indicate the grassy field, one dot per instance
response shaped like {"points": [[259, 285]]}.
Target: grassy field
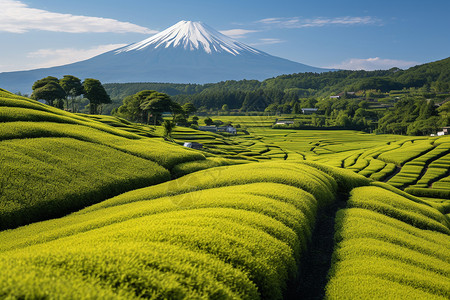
{"points": [[390, 246], [168, 240], [113, 211], [54, 162]]}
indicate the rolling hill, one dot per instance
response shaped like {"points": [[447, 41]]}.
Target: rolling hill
{"points": [[106, 219]]}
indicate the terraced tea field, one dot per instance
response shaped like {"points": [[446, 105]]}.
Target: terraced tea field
{"points": [[113, 211]]}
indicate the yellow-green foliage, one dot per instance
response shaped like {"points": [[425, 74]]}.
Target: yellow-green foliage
{"points": [[406, 152], [48, 177], [433, 193], [391, 204], [164, 153], [374, 166], [443, 183], [360, 164], [54, 162], [389, 247], [234, 232], [403, 194], [388, 169], [300, 175], [24, 109], [346, 180], [13, 114], [408, 174], [26, 118], [194, 166]]}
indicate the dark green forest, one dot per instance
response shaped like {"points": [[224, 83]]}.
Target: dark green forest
{"points": [[253, 95], [413, 101]]}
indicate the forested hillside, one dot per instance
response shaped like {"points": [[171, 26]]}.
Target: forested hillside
{"points": [[432, 77]]}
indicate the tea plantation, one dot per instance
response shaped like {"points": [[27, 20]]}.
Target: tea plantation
{"points": [[113, 211]]}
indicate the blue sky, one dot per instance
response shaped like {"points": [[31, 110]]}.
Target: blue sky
{"points": [[346, 34]]}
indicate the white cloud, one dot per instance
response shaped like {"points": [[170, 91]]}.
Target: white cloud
{"points": [[46, 58], [237, 33], [57, 57], [17, 17], [267, 41], [298, 22], [375, 63]]}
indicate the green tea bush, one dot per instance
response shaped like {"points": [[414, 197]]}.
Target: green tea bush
{"points": [[217, 238], [408, 175], [374, 166], [13, 114], [383, 173], [384, 252], [194, 166], [406, 152], [432, 193], [319, 184], [360, 164], [396, 206], [49, 177], [346, 180], [164, 153]]}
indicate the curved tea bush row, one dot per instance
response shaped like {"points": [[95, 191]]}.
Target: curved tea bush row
{"points": [[432, 193], [23, 109], [14, 114], [389, 247], [25, 118], [407, 151], [300, 175], [396, 206], [443, 183], [233, 232], [164, 153], [49, 177], [388, 169], [197, 165], [408, 175], [374, 166]]}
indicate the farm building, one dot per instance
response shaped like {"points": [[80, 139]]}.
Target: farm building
{"points": [[208, 128], [193, 145], [309, 111], [446, 130], [229, 129], [284, 122]]}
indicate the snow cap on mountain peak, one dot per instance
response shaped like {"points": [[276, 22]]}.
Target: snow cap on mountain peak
{"points": [[192, 36]]}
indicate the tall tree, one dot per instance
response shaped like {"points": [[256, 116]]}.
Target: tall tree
{"points": [[168, 128], [155, 104], [95, 92], [73, 88], [188, 109], [48, 89]]}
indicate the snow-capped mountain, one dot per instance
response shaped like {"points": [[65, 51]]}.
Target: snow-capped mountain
{"points": [[187, 52], [192, 36]]}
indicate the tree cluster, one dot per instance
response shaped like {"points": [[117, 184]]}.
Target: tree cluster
{"points": [[148, 107], [62, 93]]}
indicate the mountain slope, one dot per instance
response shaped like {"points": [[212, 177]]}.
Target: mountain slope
{"points": [[188, 52]]}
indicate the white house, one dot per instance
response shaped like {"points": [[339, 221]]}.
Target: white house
{"points": [[309, 111], [193, 145], [208, 128], [229, 129], [284, 122]]}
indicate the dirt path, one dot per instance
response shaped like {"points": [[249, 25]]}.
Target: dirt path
{"points": [[316, 262]]}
